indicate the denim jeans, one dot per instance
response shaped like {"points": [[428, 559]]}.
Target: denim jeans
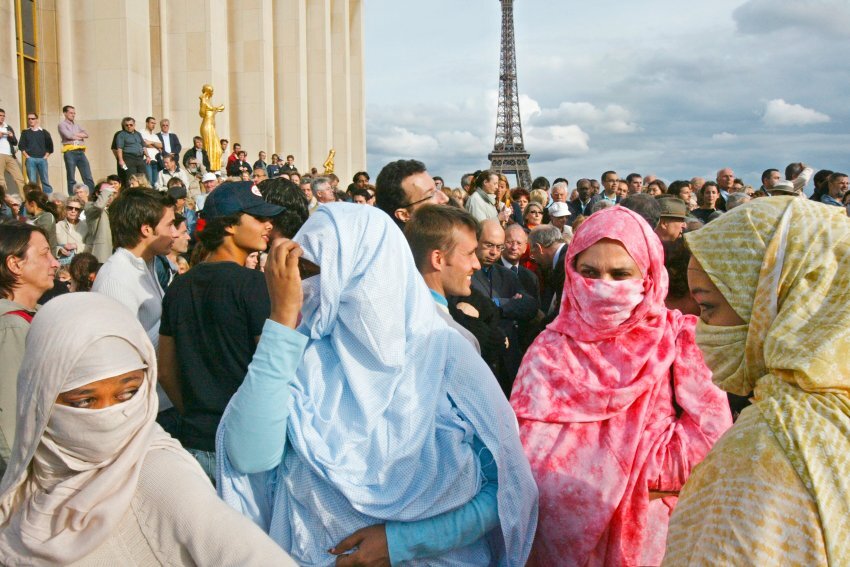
{"points": [[207, 461], [152, 170], [37, 167], [76, 159]]}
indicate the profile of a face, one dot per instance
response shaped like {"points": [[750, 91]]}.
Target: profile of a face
{"points": [[713, 307]]}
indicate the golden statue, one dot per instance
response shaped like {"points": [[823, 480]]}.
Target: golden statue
{"points": [[208, 135], [329, 163]]}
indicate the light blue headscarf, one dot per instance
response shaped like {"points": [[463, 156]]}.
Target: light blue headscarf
{"points": [[383, 409]]}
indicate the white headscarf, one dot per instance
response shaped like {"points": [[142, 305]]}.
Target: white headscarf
{"points": [[73, 471]]}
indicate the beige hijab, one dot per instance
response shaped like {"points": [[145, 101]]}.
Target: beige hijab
{"points": [[73, 472]]}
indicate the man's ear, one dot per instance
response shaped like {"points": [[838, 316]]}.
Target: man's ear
{"points": [[13, 264], [436, 260], [147, 230], [402, 214]]}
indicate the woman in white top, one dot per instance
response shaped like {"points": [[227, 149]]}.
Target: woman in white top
{"points": [[71, 231], [93, 480]]}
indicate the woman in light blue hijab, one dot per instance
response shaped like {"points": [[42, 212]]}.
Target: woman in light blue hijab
{"points": [[388, 418]]}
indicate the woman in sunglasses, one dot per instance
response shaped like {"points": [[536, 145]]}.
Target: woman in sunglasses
{"points": [[71, 232]]}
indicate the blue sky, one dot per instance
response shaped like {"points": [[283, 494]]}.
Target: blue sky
{"points": [[672, 88]]}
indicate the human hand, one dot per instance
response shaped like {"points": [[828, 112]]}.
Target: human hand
{"points": [[284, 282], [372, 549]]}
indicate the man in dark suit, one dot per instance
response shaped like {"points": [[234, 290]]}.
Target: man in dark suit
{"points": [[503, 287], [586, 199], [170, 142], [549, 251], [199, 153], [516, 243]]}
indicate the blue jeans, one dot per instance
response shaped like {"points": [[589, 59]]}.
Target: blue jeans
{"points": [[37, 167], [207, 461], [152, 169], [76, 159]]}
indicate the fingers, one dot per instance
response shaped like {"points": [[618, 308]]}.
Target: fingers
{"points": [[348, 543]]}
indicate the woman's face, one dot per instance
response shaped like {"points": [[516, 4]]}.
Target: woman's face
{"points": [[503, 187], [709, 196], [251, 261], [491, 184], [523, 202], [534, 216], [607, 260], [72, 211], [104, 393], [713, 307], [653, 190]]}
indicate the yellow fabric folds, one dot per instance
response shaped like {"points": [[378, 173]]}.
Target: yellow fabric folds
{"points": [[776, 488]]}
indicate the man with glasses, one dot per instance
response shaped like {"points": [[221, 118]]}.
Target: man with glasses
{"points": [[36, 145], [404, 185], [128, 147], [502, 286], [259, 175]]}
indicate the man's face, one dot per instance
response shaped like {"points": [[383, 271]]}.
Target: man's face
{"points": [[584, 191], [164, 126], [252, 233], [290, 160], [259, 175], [38, 266], [305, 188], [439, 184], [771, 180], [2, 117], [199, 144], [838, 188], [361, 182], [559, 222], [180, 244], [420, 190], [635, 185], [491, 244], [262, 156], [611, 181], [192, 166], [241, 156], [594, 186], [236, 148], [460, 264], [360, 200], [224, 144], [209, 185], [32, 121], [82, 193], [71, 114], [559, 194], [130, 126], [516, 241], [150, 123], [325, 193], [685, 194], [162, 237], [170, 164], [491, 184], [295, 178], [726, 179], [670, 229], [622, 189]]}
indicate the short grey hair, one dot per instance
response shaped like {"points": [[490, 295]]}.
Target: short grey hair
{"points": [[545, 235], [316, 184], [80, 186], [600, 205], [736, 200], [559, 184]]}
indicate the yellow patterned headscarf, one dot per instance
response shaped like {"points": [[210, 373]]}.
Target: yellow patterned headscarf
{"points": [[783, 264]]}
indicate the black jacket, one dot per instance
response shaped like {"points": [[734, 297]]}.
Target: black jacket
{"points": [[175, 145], [12, 139], [485, 327], [190, 153], [235, 168]]}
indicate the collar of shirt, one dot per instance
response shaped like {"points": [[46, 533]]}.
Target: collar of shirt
{"points": [[507, 264], [440, 300]]}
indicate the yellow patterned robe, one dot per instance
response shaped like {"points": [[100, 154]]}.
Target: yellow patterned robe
{"points": [[775, 490]]}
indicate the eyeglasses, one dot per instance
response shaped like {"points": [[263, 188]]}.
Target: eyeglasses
{"points": [[534, 212], [430, 197], [73, 209], [491, 246]]}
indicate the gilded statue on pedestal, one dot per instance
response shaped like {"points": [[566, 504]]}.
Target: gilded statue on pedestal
{"points": [[329, 163], [208, 134]]}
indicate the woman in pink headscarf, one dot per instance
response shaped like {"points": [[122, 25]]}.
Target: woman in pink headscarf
{"points": [[614, 401]]}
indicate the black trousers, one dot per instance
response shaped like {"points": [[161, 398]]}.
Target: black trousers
{"points": [[135, 164]]}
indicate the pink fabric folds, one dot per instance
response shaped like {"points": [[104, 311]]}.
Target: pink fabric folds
{"points": [[609, 415]]}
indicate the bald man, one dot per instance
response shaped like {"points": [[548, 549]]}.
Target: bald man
{"points": [[503, 287], [726, 183]]}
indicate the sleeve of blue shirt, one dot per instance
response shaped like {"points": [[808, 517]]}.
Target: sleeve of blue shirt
{"points": [[256, 420], [450, 530]]}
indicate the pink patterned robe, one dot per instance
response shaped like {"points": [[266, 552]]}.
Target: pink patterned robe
{"points": [[614, 420]]}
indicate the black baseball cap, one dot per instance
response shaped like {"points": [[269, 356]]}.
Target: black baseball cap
{"points": [[238, 197]]}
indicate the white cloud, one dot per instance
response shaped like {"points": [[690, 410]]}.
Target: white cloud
{"points": [[612, 118], [780, 113], [402, 141], [724, 137], [550, 143]]}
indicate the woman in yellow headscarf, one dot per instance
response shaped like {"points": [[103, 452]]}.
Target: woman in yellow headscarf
{"points": [[773, 283]]}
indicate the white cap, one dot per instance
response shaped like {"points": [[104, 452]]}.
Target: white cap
{"points": [[559, 209], [208, 177]]}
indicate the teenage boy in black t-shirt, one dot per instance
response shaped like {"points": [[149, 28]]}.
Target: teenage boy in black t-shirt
{"points": [[212, 316]]}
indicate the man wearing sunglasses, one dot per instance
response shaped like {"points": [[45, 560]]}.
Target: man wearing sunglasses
{"points": [[404, 185], [213, 315], [36, 145]]}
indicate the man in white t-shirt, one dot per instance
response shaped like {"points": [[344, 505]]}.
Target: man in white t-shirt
{"points": [[8, 161]]}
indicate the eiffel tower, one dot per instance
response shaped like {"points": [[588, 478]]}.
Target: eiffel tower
{"points": [[509, 155]]}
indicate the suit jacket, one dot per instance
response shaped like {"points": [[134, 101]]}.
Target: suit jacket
{"points": [[175, 145], [553, 286], [235, 169], [529, 282], [577, 208], [286, 168], [190, 153]]}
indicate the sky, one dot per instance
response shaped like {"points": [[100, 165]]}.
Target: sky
{"points": [[676, 89]]}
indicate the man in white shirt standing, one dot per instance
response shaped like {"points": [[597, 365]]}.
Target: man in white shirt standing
{"points": [[152, 147], [142, 224], [8, 161]]}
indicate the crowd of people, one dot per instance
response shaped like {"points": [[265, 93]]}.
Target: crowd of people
{"points": [[255, 366]]}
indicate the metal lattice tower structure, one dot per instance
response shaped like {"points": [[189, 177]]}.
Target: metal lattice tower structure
{"points": [[509, 155]]}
